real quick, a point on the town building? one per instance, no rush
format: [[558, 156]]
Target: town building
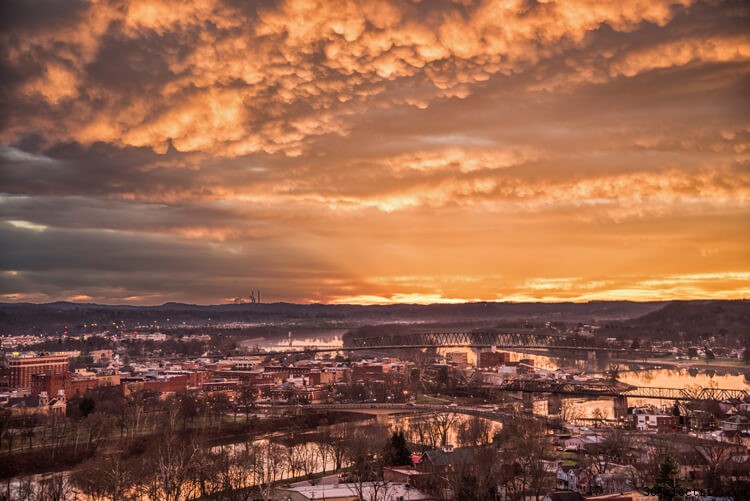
[[492, 359], [21, 368], [350, 492], [655, 420]]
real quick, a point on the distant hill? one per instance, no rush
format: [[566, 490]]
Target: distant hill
[[55, 318], [689, 321]]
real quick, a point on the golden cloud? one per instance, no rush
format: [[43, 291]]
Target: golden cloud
[[231, 93]]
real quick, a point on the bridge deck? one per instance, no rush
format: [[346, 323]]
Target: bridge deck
[[598, 389], [315, 349]]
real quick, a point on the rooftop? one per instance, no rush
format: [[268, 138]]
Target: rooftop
[[346, 491]]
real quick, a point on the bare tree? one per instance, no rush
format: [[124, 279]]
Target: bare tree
[[245, 401], [613, 372], [302, 459], [423, 432], [217, 405], [526, 442], [188, 408], [268, 465], [6, 433], [225, 473], [337, 438], [718, 456], [487, 472], [599, 416], [238, 481], [56, 487], [474, 431], [26, 490], [570, 412], [307, 456], [364, 446], [444, 423], [108, 477], [421, 380], [98, 427], [325, 453], [173, 463]]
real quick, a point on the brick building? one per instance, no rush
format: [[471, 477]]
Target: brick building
[[493, 358], [460, 358], [72, 384], [161, 384], [21, 368], [49, 382]]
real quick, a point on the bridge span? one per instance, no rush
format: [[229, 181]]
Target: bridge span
[[315, 349], [503, 340], [610, 389]]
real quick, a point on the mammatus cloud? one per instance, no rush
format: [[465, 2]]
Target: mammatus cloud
[[375, 151], [230, 83]]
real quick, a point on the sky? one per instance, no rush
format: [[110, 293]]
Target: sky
[[374, 152]]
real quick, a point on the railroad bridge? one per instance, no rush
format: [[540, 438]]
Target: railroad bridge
[[620, 392], [617, 389]]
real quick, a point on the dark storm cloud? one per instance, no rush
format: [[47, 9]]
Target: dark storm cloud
[[23, 16], [83, 262]]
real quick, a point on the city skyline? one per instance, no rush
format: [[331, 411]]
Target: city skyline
[[374, 152]]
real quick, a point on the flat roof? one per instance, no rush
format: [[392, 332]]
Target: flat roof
[[394, 490]]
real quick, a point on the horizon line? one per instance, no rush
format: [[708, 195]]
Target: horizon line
[[336, 304]]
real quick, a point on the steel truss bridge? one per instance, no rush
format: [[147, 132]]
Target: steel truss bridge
[[508, 340], [608, 389], [516, 339], [484, 339]]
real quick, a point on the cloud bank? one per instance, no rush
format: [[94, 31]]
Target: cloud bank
[[373, 151]]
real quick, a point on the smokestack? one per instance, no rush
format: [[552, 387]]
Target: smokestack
[[258, 296]]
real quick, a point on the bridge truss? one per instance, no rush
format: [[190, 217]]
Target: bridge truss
[[611, 389], [510, 340], [716, 394], [505, 339]]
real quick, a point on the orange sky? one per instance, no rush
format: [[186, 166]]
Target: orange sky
[[374, 152]]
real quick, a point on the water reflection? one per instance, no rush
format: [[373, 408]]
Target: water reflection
[[541, 361], [680, 378], [299, 339], [428, 430]]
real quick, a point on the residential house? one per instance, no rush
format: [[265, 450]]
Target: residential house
[[443, 460], [567, 478]]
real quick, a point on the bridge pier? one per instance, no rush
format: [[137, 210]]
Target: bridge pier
[[620, 406], [554, 403], [527, 400], [591, 359]]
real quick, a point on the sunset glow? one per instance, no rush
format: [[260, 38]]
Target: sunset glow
[[374, 152]]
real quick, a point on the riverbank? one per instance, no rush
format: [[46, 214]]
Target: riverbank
[[40, 460]]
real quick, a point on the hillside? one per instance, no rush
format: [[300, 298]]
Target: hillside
[[689, 321], [55, 318]]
